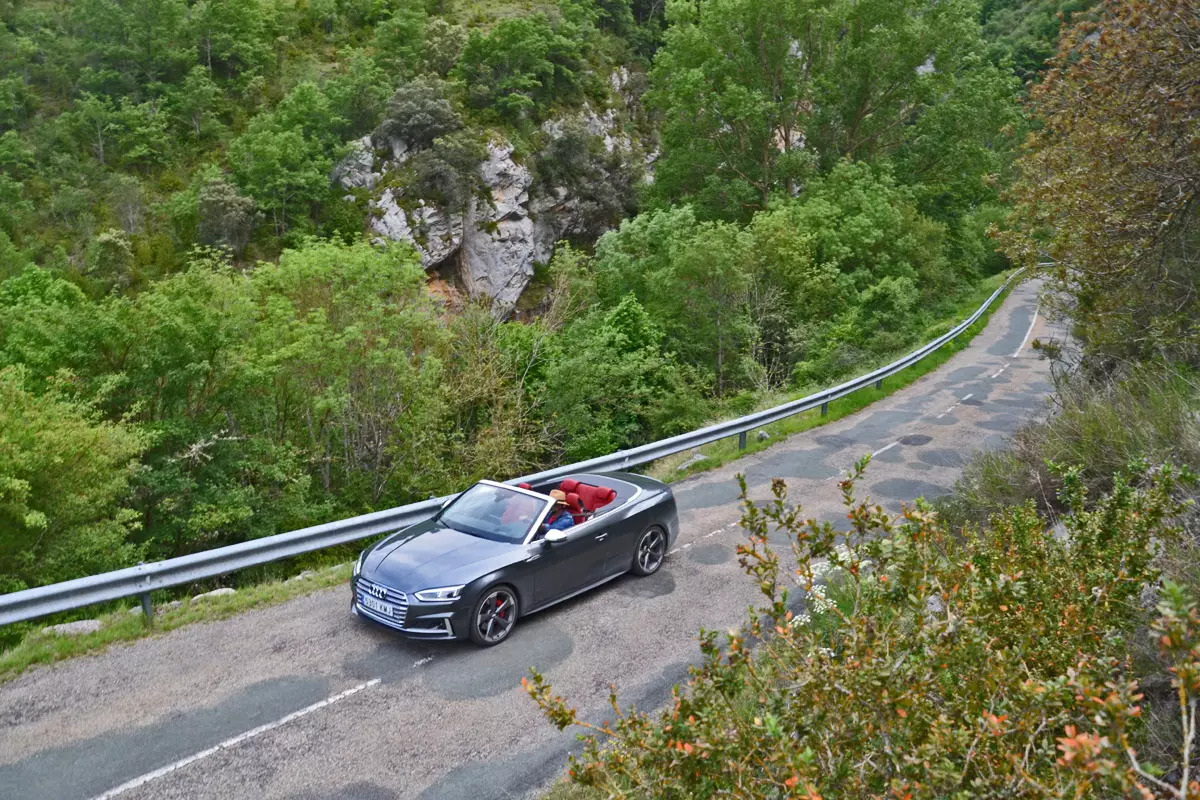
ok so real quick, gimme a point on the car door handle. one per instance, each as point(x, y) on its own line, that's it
point(602, 537)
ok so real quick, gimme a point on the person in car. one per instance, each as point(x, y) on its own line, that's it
point(560, 516)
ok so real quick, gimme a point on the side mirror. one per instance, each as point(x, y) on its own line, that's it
point(555, 536)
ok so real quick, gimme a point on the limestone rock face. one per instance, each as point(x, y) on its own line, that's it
point(357, 169)
point(499, 242)
point(492, 245)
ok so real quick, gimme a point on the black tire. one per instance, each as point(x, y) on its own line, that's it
point(650, 552)
point(487, 627)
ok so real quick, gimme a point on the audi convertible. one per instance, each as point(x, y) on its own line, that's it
point(488, 558)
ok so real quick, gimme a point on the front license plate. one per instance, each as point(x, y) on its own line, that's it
point(387, 609)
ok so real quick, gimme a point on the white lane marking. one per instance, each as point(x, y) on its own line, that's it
point(236, 740)
point(878, 452)
point(882, 450)
point(1029, 332)
point(422, 662)
point(956, 405)
point(996, 374)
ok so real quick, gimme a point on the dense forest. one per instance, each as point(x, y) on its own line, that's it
point(203, 338)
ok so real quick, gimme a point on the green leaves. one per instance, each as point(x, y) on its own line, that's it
point(522, 66)
point(926, 663)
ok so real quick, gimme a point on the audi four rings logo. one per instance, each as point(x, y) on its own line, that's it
point(378, 591)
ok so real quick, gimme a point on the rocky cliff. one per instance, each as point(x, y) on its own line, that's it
point(490, 247)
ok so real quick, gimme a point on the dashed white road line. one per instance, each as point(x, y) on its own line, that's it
point(422, 662)
point(1029, 332)
point(702, 538)
point(233, 742)
point(996, 374)
point(956, 405)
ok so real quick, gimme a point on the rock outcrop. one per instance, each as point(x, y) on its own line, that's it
point(492, 246)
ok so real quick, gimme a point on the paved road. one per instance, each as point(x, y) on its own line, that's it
point(304, 701)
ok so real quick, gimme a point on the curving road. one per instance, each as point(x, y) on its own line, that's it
point(303, 701)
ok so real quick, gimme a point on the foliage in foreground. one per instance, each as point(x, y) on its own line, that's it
point(990, 664)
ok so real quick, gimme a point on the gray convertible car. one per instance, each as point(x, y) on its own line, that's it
point(486, 559)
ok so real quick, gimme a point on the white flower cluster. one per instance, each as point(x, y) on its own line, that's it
point(803, 618)
point(817, 600)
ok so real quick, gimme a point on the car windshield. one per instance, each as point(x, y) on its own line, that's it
point(494, 512)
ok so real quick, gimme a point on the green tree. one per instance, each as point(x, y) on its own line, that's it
point(693, 279)
point(137, 46)
point(1109, 180)
point(522, 66)
point(197, 104)
point(284, 158)
point(418, 112)
point(358, 359)
point(232, 35)
point(755, 93)
point(65, 477)
point(613, 386)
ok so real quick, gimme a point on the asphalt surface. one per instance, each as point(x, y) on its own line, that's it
point(303, 700)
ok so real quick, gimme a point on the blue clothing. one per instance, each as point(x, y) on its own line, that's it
point(564, 521)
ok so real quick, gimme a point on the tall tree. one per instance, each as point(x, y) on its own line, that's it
point(1110, 181)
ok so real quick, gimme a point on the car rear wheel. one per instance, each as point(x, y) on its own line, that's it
point(650, 552)
point(494, 616)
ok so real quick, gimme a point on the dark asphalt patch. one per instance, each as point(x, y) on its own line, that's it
point(908, 490)
point(710, 554)
point(893, 456)
point(473, 673)
point(1018, 324)
point(916, 440)
point(941, 457)
point(961, 375)
point(511, 778)
point(93, 766)
point(803, 464)
point(659, 584)
point(917, 466)
point(947, 420)
point(1003, 423)
point(972, 401)
point(706, 495)
point(834, 441)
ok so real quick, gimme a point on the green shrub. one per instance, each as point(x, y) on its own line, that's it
point(934, 665)
point(1098, 425)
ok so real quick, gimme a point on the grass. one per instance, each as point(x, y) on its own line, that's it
point(122, 626)
point(722, 452)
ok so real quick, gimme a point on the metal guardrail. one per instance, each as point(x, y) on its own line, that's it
point(145, 578)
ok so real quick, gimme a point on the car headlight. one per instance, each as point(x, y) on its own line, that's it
point(358, 564)
point(446, 594)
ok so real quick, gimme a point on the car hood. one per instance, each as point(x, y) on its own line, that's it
point(430, 555)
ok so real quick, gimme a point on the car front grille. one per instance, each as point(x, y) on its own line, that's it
point(398, 599)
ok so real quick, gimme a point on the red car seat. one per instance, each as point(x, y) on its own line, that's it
point(569, 485)
point(524, 486)
point(595, 497)
point(576, 508)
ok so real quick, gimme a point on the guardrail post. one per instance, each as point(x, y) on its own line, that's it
point(147, 609)
point(742, 440)
point(879, 383)
point(825, 409)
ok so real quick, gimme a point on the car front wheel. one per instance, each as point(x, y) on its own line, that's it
point(650, 552)
point(494, 616)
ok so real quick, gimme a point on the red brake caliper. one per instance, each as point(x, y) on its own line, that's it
point(499, 602)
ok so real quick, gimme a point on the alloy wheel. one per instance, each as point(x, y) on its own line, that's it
point(651, 550)
point(496, 616)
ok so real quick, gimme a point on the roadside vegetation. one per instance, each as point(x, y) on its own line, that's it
point(1037, 633)
point(200, 346)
